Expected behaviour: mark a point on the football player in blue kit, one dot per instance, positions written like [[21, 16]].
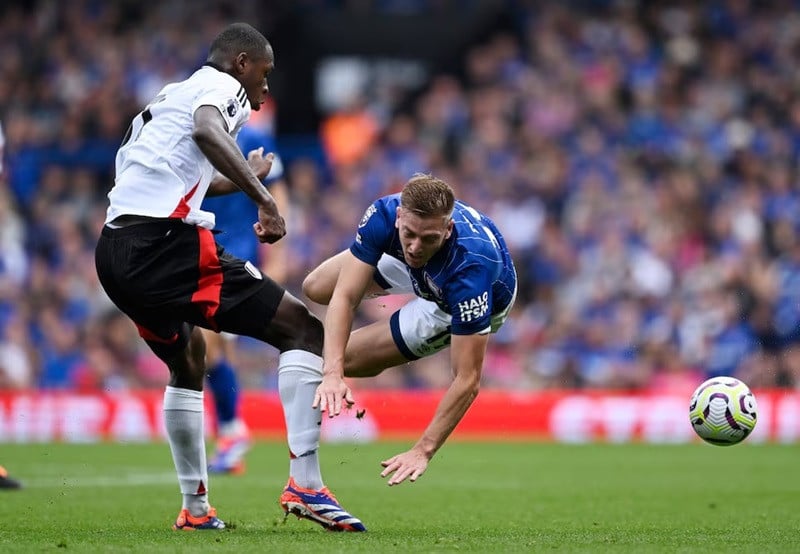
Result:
[[454, 259]]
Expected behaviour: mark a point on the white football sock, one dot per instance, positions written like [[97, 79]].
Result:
[[299, 375], [183, 419]]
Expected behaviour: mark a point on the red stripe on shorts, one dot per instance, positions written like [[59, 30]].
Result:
[[147, 334], [209, 286]]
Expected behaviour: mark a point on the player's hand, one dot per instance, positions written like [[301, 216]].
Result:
[[259, 163], [331, 394], [270, 226], [408, 465]]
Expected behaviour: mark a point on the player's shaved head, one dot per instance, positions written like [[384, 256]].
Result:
[[239, 37], [427, 196]]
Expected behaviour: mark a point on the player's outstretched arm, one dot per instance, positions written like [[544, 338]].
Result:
[[466, 355], [354, 277]]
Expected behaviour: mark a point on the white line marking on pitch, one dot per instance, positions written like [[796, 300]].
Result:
[[131, 480]]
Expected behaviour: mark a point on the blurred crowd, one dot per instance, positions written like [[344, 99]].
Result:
[[640, 158]]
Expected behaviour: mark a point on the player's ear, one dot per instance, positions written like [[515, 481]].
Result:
[[397, 217], [240, 62], [449, 229]]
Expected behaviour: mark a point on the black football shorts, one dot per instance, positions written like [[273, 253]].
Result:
[[168, 276]]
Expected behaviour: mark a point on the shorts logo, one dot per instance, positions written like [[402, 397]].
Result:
[[474, 308], [251, 269], [232, 107]]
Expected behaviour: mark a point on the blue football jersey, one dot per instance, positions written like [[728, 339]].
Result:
[[236, 212], [471, 277]]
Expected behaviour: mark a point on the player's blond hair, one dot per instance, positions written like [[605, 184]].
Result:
[[427, 196]]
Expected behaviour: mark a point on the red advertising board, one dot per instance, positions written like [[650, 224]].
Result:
[[562, 416]]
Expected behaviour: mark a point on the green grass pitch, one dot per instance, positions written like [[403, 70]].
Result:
[[475, 497]]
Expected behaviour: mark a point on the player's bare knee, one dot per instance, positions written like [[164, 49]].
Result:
[[315, 290]]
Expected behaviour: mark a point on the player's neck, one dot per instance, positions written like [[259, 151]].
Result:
[[215, 66]]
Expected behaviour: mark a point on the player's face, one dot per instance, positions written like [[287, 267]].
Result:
[[421, 237], [254, 78]]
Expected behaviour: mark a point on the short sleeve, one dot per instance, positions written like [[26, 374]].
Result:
[[469, 297], [374, 231], [230, 102]]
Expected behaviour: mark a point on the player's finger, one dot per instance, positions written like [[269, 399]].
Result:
[[391, 460], [399, 476], [317, 399], [348, 397], [333, 405]]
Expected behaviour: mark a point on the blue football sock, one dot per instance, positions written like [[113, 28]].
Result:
[[225, 388]]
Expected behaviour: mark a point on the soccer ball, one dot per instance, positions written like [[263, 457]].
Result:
[[723, 411]]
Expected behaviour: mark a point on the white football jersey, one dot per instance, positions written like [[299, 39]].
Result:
[[160, 171]]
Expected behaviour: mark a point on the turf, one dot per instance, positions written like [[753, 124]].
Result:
[[475, 497]]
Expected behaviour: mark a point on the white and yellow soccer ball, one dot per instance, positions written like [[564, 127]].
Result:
[[723, 411]]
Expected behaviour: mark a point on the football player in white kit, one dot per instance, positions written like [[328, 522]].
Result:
[[158, 260]]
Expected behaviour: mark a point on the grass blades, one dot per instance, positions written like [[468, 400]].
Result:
[[475, 497]]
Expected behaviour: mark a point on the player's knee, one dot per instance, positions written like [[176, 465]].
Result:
[[187, 369], [297, 328], [315, 289]]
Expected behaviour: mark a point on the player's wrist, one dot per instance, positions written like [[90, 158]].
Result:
[[427, 447], [333, 370]]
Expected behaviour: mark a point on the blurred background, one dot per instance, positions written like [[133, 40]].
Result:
[[640, 158]]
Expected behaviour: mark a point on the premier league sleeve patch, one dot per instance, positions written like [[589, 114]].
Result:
[[232, 108]]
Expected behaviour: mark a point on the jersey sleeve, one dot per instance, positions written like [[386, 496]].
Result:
[[374, 232], [229, 98], [468, 294]]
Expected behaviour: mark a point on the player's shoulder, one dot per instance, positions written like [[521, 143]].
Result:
[[207, 78], [388, 203], [380, 211]]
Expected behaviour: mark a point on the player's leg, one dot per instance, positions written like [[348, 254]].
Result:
[[370, 350], [233, 437], [170, 250], [319, 284], [280, 319], [6, 482], [183, 420], [416, 330]]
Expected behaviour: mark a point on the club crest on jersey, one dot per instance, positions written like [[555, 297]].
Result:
[[437, 292], [232, 107]]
